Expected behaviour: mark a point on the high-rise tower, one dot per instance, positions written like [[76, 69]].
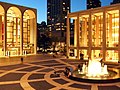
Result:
[[57, 11], [115, 1]]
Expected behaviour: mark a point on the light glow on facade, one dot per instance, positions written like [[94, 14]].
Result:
[[17, 30], [96, 33]]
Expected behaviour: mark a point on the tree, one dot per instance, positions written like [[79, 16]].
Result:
[[43, 36], [44, 42], [54, 40]]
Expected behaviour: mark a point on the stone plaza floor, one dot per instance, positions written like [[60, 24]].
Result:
[[37, 73]]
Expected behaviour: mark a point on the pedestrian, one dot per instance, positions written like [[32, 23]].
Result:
[[21, 59], [55, 71], [81, 56]]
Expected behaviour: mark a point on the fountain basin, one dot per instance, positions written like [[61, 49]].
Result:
[[112, 77]]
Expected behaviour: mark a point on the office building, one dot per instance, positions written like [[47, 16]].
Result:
[[93, 4], [57, 11]]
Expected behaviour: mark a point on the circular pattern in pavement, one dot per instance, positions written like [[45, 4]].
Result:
[[40, 75]]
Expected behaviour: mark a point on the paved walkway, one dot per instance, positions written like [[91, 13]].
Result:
[[37, 73]]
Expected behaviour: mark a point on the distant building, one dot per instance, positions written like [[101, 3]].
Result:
[[41, 28], [115, 1], [57, 11], [93, 4]]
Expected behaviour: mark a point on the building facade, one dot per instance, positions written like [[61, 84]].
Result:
[[17, 30], [115, 1], [93, 4], [96, 33], [57, 11]]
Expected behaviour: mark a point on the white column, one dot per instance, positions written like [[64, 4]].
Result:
[[76, 37], [97, 32], [119, 37], [110, 30], [5, 33], [89, 35], [85, 33], [0, 29], [35, 35], [68, 36], [21, 34], [104, 35], [75, 33], [78, 34]]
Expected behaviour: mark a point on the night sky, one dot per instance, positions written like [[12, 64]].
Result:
[[41, 6]]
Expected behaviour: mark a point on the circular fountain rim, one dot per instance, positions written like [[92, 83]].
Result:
[[88, 80]]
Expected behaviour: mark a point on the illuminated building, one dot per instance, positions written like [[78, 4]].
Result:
[[96, 33], [57, 11], [93, 4], [17, 30]]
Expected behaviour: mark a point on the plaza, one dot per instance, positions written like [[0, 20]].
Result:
[[37, 73]]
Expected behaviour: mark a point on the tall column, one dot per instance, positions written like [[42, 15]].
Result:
[[75, 33], [5, 33], [1, 41], [97, 32], [90, 36], [21, 34], [104, 35], [119, 37], [0, 29], [68, 36], [78, 34], [82, 31], [110, 30], [75, 36], [35, 35], [16, 32], [85, 33]]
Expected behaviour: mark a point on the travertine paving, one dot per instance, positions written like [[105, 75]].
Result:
[[39, 75]]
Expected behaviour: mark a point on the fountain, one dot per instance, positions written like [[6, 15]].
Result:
[[94, 69], [95, 72]]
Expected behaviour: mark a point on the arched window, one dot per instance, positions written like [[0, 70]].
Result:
[[13, 30], [28, 31]]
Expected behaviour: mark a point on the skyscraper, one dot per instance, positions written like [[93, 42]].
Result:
[[57, 11], [115, 1], [93, 4]]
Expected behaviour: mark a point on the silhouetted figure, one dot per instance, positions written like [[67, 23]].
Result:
[[79, 67], [54, 56], [67, 70], [119, 62], [71, 71], [21, 59], [81, 56], [101, 60]]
